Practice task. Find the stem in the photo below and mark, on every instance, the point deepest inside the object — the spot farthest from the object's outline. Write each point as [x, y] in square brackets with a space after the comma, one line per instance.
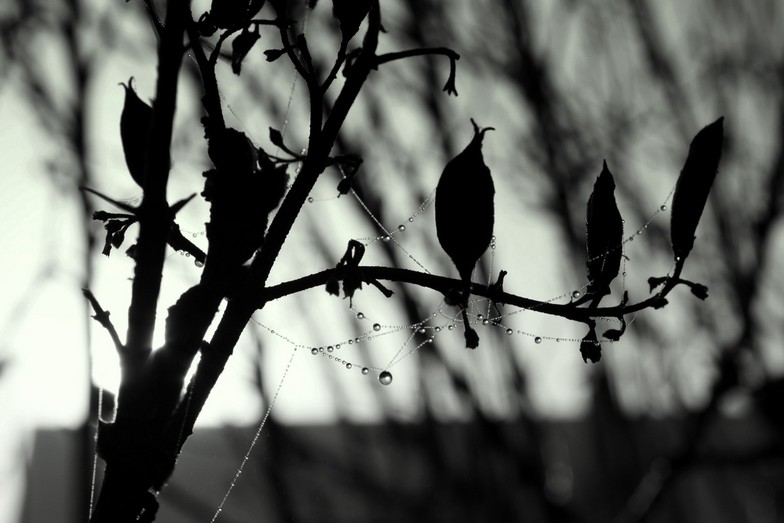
[444, 285]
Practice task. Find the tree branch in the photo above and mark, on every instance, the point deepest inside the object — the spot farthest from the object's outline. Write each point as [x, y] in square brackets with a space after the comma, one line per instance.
[102, 317]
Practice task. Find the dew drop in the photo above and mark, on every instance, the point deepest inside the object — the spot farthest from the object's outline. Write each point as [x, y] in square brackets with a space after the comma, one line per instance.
[187, 255]
[401, 227]
[348, 365]
[663, 207]
[365, 371]
[385, 378]
[337, 346]
[421, 330]
[485, 322]
[479, 317]
[376, 327]
[509, 332]
[198, 263]
[330, 349]
[195, 235]
[356, 340]
[538, 339]
[411, 220]
[450, 327]
[386, 239]
[314, 351]
[576, 294]
[321, 349]
[350, 342]
[310, 199]
[437, 329]
[557, 340]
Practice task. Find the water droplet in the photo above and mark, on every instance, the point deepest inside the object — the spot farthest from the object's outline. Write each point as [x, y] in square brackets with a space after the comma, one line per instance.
[577, 294]
[624, 273]
[376, 327]
[365, 371]
[538, 339]
[437, 329]
[348, 365]
[198, 263]
[431, 339]
[509, 332]
[360, 316]
[479, 317]
[330, 349]
[356, 340]
[450, 327]
[485, 322]
[663, 207]
[310, 199]
[314, 351]
[386, 239]
[187, 255]
[421, 330]
[385, 378]
[411, 220]
[337, 346]
[639, 232]
[433, 315]
[492, 238]
[321, 349]
[350, 342]
[558, 340]
[401, 227]
[331, 356]
[195, 235]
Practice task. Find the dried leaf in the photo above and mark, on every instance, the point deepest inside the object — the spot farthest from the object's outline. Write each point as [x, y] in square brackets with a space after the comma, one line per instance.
[349, 14]
[603, 234]
[241, 46]
[693, 186]
[135, 123]
[590, 348]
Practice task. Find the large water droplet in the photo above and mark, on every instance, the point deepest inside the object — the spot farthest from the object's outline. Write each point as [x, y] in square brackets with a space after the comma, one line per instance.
[421, 330]
[509, 332]
[330, 349]
[314, 351]
[360, 316]
[385, 378]
[348, 365]
[198, 263]
[576, 294]
[401, 227]
[663, 207]
[538, 339]
[376, 327]
[365, 371]
[310, 199]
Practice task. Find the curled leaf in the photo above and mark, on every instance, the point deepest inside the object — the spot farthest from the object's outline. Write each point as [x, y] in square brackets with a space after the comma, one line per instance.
[590, 348]
[242, 45]
[693, 186]
[274, 54]
[603, 234]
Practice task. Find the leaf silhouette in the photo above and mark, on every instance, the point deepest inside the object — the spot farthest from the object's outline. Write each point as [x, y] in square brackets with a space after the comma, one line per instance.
[464, 206]
[349, 14]
[603, 234]
[693, 186]
[232, 13]
[135, 123]
[241, 46]
[590, 348]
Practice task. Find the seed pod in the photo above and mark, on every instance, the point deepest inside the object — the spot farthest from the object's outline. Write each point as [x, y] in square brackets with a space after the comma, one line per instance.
[693, 186]
[464, 206]
[603, 234]
[135, 123]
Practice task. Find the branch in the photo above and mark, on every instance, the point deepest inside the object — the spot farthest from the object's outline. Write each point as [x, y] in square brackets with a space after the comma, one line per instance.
[102, 317]
[444, 285]
[211, 98]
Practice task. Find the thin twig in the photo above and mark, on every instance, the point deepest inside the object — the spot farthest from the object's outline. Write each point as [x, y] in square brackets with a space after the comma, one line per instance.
[102, 317]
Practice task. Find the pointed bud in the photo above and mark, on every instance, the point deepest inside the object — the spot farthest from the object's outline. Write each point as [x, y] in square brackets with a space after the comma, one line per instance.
[135, 123]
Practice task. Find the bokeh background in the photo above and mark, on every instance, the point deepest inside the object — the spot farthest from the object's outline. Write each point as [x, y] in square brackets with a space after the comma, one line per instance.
[681, 420]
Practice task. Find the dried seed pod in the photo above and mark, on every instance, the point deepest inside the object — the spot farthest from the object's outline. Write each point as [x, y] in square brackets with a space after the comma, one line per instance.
[693, 186]
[603, 234]
[135, 123]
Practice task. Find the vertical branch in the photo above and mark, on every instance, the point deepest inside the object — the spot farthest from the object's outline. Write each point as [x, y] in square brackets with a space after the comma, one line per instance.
[153, 214]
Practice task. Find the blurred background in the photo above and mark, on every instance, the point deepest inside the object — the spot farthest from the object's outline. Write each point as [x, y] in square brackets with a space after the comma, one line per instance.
[681, 420]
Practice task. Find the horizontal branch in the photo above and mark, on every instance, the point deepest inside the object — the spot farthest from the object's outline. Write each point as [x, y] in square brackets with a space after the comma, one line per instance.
[444, 285]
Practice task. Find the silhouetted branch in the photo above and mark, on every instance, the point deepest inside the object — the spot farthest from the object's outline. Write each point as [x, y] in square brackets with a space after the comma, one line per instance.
[102, 317]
